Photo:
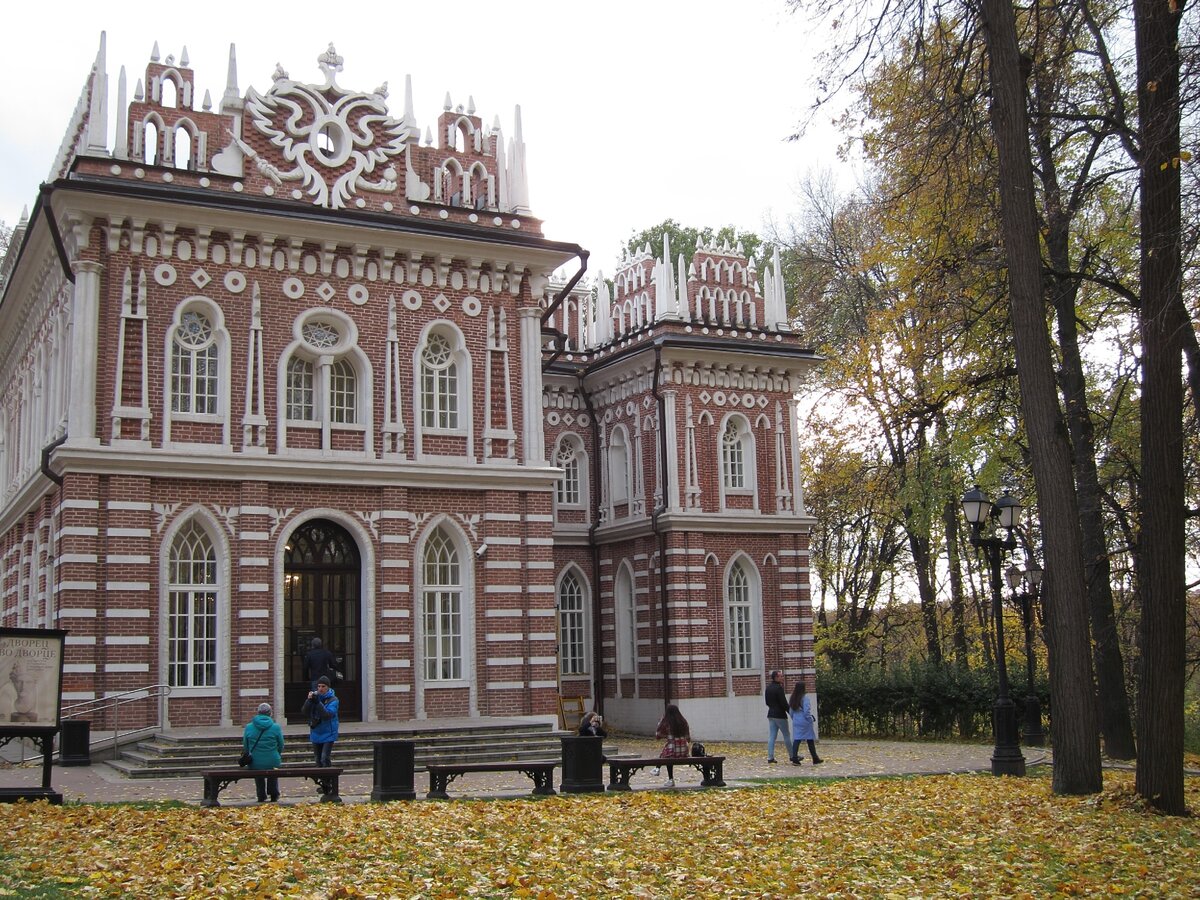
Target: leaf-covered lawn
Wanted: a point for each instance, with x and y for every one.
(954, 835)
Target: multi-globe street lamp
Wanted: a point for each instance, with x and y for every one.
(1026, 599)
(1006, 755)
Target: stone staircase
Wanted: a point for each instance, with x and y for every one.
(174, 754)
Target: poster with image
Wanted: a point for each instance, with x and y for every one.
(31, 663)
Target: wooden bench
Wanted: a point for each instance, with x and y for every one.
(441, 774)
(621, 768)
(325, 777)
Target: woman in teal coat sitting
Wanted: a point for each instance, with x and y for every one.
(263, 740)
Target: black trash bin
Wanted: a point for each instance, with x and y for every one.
(394, 771)
(74, 742)
(582, 765)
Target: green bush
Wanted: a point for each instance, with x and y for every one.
(917, 700)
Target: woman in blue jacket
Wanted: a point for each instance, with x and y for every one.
(263, 740)
(803, 724)
(321, 707)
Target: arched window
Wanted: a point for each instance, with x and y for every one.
(626, 622)
(572, 627)
(740, 604)
(569, 456)
(169, 93)
(441, 609)
(439, 384)
(618, 466)
(194, 365)
(323, 381)
(150, 144)
(300, 390)
(733, 456)
(183, 149)
(192, 610)
(343, 393)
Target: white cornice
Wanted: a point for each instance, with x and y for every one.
(725, 523)
(85, 205)
(320, 470)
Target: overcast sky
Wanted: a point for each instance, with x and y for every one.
(633, 112)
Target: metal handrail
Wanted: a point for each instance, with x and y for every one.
(112, 703)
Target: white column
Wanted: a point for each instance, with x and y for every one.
(671, 500)
(85, 318)
(793, 418)
(534, 437)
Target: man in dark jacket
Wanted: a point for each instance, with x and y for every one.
(318, 661)
(777, 714)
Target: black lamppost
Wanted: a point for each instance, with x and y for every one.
(1006, 756)
(1026, 601)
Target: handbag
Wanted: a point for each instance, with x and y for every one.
(246, 758)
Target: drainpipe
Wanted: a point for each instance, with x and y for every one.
(46, 451)
(594, 523)
(654, 523)
(560, 344)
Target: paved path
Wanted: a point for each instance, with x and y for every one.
(841, 758)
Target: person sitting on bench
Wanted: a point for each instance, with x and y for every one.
(263, 740)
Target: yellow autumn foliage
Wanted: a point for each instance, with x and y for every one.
(939, 836)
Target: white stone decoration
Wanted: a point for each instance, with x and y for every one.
(411, 300)
(326, 291)
(358, 294)
(235, 282)
(319, 129)
(441, 303)
(164, 274)
(201, 279)
(293, 288)
(471, 306)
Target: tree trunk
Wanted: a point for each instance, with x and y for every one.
(958, 623)
(1115, 723)
(1161, 544)
(1076, 745)
(918, 546)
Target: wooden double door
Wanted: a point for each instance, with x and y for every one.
(322, 598)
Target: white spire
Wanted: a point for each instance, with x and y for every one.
(681, 286)
(121, 151)
(97, 129)
(232, 96)
(603, 325)
(447, 104)
(518, 183)
(184, 62)
(207, 99)
(410, 117)
(138, 93)
(24, 220)
(470, 104)
(154, 53)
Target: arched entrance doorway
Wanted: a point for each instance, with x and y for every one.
(322, 597)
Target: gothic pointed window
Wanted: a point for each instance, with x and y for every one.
(442, 608)
(740, 610)
(626, 623)
(733, 456)
(618, 466)
(194, 366)
(192, 609)
(572, 627)
(570, 458)
(439, 384)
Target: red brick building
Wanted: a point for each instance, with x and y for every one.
(279, 368)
